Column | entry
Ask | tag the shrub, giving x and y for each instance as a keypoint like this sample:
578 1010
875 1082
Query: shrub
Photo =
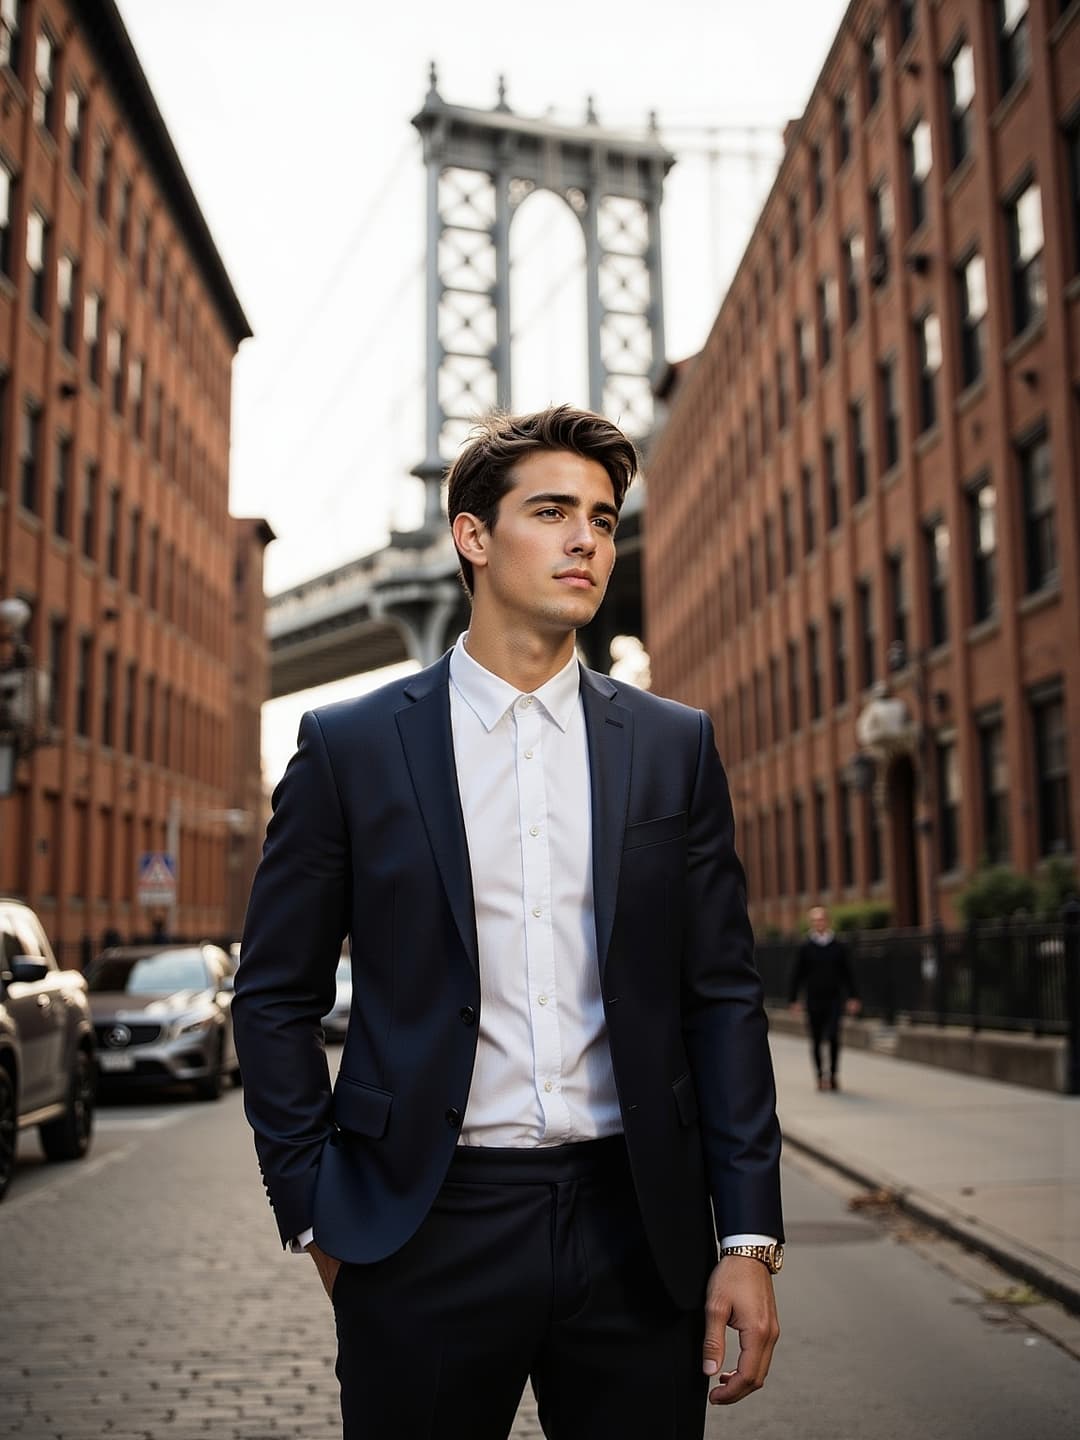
861 915
1055 883
996 892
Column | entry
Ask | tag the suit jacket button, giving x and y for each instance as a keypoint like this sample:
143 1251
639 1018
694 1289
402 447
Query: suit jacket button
468 1015
453 1118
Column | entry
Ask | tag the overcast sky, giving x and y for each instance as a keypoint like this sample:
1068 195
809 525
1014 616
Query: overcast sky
292 122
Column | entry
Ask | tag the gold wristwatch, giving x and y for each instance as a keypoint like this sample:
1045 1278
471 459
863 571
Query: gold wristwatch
771 1256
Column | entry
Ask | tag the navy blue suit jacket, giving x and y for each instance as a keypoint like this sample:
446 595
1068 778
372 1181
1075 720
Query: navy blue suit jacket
367 839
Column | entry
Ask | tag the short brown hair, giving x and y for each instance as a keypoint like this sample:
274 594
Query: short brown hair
482 473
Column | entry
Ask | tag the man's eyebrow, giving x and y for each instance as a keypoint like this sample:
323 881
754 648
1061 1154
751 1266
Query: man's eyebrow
572 502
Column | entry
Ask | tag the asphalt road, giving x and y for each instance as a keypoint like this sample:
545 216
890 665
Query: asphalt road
143 1294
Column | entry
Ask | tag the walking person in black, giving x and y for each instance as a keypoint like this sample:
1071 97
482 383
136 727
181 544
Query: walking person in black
823 967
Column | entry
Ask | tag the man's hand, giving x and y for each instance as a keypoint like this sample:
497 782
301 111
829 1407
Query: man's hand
795 1006
326 1265
853 1006
740 1294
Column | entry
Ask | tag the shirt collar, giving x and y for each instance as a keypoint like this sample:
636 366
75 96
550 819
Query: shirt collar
489 697
823 939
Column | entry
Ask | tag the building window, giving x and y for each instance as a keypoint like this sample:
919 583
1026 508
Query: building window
776 698
765 418
746 747
776 256
960 100
948 778
844 128
919 153
1014 43
770 553
794 226
165 753
89 510
817 177
130 682
62 487
890 413
787 522
7 216
809 509
134 550
142 249
839 652
84 666
853 271
821 836
44 90
1024 217
755 571
883 220
804 356
794 685
123 219
832 482
136 372
156 401
1040 539
860 463
846 808
982 519
1052 773
29 457
864 601
102 167
780 850
761 718
928 347
899 605
875 840
108 699
764 851
112 534
93 322
783 402
874 66
798 841
149 698
11 34
827 308
57 634
74 106
1072 143
994 784
971 292
37 252
937 575
115 362
813 656
152 544
67 271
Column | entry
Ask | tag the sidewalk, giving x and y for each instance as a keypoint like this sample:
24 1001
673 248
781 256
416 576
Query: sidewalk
995 1166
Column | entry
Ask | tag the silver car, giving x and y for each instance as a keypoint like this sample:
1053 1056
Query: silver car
163 1016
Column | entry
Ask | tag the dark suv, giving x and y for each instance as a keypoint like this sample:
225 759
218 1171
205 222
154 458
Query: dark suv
47 1071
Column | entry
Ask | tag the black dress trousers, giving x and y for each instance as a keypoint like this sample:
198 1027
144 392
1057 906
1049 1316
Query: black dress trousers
532 1265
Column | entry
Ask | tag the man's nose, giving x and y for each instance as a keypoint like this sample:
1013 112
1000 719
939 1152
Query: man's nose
583 540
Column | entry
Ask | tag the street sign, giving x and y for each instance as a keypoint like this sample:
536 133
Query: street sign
156 885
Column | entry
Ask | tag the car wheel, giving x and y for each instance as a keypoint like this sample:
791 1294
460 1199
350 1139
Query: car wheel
68 1138
8 1129
210 1088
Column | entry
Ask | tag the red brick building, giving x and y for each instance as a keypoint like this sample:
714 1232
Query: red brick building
867 488
118 325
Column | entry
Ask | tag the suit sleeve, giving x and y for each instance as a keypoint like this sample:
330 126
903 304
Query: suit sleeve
297 916
724 1023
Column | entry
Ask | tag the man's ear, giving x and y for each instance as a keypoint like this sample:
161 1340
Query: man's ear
471 538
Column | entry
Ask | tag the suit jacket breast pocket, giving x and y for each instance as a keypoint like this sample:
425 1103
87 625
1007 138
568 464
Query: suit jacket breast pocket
655 832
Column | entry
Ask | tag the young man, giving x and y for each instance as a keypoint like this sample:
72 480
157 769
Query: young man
823 968
556 1080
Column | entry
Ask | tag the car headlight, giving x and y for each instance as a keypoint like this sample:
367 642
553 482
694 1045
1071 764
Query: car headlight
195 1027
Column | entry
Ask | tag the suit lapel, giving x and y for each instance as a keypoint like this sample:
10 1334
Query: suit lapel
424 727
610 731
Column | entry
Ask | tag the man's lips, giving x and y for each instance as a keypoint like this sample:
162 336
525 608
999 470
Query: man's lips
579 578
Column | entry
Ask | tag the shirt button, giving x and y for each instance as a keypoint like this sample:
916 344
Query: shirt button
453 1118
526 701
534 829
541 999
528 754
548 1086
467 1014
537 911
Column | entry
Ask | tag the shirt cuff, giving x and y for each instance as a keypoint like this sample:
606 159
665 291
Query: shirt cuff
298 1243
748 1240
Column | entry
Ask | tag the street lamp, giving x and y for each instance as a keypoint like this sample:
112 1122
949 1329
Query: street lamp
23 691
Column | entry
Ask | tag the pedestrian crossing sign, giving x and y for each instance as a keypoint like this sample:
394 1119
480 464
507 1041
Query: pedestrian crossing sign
157 879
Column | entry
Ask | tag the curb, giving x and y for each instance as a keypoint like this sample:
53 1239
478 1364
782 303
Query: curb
1026 1267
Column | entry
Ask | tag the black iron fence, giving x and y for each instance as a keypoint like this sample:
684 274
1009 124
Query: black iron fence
1006 975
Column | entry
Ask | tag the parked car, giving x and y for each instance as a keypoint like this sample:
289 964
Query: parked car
47 1070
336 1021
163 1016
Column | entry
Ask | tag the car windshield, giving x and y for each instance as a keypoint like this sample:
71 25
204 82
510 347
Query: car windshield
158 974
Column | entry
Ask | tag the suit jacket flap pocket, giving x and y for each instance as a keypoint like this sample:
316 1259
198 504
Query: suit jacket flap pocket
685 1099
361 1109
653 832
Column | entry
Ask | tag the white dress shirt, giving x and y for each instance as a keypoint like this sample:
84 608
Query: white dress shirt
543 1073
